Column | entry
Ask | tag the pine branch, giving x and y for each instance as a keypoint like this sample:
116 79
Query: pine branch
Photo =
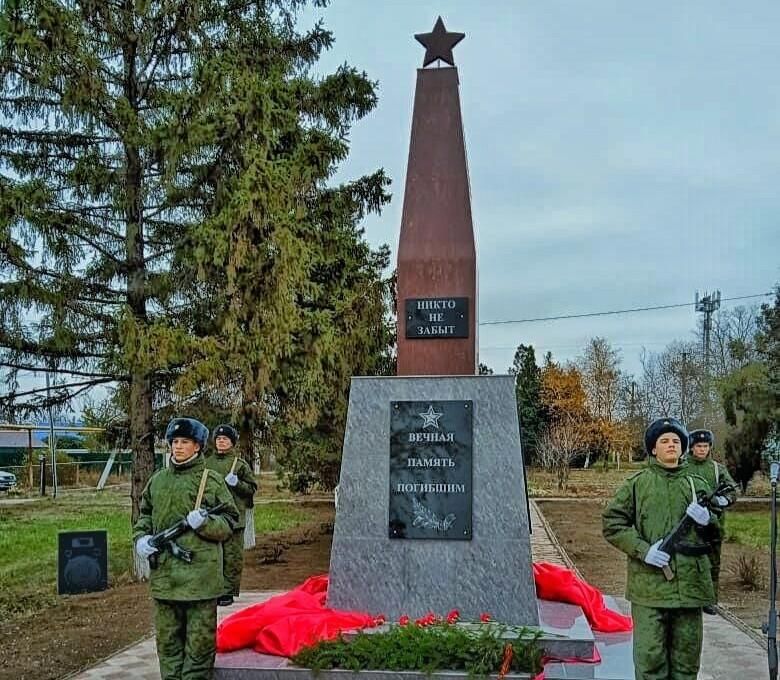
57 137
90 287
49 369
167 36
39 390
32 348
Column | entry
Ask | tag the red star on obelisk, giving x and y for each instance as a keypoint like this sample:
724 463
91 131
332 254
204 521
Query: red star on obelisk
438 43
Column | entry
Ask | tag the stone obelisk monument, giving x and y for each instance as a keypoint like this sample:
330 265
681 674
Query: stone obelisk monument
432 511
437 260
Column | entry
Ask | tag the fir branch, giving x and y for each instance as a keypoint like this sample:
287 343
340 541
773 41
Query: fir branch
83 384
49 369
46 349
478 649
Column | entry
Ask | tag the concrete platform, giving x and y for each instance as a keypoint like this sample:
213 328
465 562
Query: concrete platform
615 650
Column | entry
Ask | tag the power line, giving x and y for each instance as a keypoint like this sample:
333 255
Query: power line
576 346
612 312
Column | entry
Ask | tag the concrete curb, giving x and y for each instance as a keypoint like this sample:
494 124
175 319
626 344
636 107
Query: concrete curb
554 540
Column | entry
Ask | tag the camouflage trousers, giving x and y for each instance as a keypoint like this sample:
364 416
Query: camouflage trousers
667 643
186 638
715 560
233 562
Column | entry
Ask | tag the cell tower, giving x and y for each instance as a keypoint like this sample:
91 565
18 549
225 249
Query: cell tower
707 304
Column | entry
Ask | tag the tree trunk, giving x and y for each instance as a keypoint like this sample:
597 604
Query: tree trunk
141 388
141 437
561 477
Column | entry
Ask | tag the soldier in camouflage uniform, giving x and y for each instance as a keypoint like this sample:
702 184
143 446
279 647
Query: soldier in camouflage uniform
185 594
241 482
702 463
667 614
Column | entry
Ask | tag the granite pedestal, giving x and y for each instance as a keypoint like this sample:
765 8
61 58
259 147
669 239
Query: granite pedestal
491 572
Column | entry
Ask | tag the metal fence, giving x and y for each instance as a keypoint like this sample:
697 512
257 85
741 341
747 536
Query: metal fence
75 473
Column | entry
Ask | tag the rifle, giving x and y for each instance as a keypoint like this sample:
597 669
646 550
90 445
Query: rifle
674 541
167 539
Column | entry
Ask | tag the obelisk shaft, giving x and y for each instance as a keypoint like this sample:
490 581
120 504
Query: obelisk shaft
436 253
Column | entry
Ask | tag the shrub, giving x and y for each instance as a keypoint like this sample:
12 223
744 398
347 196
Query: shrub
748 572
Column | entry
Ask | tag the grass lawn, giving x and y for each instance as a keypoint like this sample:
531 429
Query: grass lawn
28 541
748 526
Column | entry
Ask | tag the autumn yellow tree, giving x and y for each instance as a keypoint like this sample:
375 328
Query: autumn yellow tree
568 420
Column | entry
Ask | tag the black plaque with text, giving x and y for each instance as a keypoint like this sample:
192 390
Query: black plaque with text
431 447
437 318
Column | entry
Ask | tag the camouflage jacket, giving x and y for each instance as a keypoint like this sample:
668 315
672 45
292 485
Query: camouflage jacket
244 492
714 473
167 498
644 510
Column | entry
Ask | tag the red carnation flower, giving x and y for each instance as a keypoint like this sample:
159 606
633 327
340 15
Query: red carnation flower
485 617
453 616
404 620
379 620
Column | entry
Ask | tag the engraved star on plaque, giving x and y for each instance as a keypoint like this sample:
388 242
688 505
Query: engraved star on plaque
430 417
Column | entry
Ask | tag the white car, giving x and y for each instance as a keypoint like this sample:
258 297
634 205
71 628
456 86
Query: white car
7 481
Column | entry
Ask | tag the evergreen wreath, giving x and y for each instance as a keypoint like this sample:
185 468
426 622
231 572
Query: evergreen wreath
480 650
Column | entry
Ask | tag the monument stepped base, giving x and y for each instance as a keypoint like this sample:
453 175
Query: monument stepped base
565 634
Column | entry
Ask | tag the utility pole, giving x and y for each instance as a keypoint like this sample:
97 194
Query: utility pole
683 375
52 442
708 304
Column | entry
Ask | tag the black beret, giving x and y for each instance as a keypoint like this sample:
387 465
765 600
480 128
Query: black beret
701 437
228 431
189 428
662 426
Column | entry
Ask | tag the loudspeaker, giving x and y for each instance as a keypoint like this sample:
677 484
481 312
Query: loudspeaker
82 562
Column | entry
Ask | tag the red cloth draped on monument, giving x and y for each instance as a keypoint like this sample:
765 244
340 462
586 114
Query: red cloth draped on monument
285 624
563 585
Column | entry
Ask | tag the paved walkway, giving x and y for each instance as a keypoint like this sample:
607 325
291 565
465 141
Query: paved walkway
729 654
139 661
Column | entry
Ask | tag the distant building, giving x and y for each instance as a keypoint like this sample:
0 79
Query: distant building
14 445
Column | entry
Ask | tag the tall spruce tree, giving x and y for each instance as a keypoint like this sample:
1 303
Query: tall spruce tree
139 138
530 410
296 300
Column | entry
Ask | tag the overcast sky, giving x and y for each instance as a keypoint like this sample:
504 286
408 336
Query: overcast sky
621 155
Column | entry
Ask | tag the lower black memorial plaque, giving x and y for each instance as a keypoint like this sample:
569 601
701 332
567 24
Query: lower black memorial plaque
431 445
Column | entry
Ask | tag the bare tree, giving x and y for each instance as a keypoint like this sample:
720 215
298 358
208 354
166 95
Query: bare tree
732 339
600 368
671 383
559 445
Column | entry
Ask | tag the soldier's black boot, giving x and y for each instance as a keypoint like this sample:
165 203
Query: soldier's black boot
225 601
709 609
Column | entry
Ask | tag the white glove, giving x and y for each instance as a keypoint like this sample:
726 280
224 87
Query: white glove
143 548
722 501
195 518
231 479
698 513
657 558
